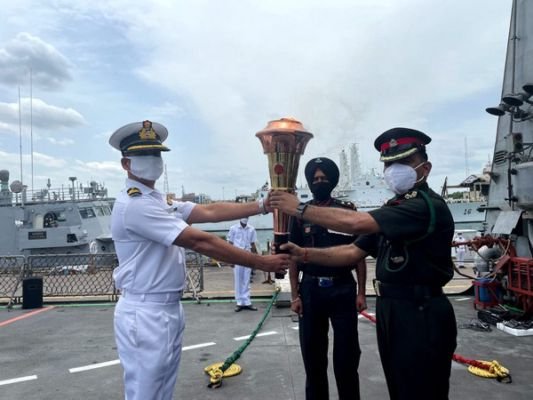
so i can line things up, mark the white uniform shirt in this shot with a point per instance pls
(143, 228)
(242, 237)
(461, 239)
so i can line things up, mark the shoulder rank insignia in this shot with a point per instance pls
(134, 192)
(170, 199)
(411, 195)
(345, 204)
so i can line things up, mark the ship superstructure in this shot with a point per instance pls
(366, 189)
(66, 220)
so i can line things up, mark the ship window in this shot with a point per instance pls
(71, 238)
(50, 220)
(99, 211)
(87, 212)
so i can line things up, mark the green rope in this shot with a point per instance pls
(235, 356)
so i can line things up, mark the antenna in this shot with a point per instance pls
(20, 138)
(31, 127)
(467, 170)
(165, 181)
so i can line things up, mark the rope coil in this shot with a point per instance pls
(484, 369)
(219, 370)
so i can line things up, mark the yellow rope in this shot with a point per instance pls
(216, 374)
(227, 368)
(495, 370)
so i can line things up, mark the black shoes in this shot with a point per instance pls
(250, 307)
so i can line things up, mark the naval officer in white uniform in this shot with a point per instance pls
(243, 236)
(150, 235)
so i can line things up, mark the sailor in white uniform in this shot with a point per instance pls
(460, 250)
(150, 234)
(243, 236)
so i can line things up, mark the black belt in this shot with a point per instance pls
(406, 292)
(328, 281)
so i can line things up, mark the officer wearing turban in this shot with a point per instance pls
(410, 238)
(326, 295)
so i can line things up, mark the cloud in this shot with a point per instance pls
(216, 72)
(61, 142)
(45, 116)
(39, 159)
(50, 69)
(348, 71)
(111, 167)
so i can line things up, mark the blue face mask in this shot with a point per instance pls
(146, 167)
(401, 177)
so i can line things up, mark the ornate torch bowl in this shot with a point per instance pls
(284, 141)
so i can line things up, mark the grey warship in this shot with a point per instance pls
(62, 220)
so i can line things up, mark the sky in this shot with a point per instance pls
(214, 72)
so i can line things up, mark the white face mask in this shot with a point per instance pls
(146, 167)
(400, 177)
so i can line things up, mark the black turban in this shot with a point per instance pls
(327, 166)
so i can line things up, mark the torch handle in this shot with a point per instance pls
(279, 239)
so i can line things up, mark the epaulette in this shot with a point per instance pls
(345, 204)
(134, 192)
(169, 199)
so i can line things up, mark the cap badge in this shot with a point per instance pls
(393, 143)
(318, 161)
(147, 132)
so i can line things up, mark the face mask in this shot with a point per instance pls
(321, 190)
(400, 177)
(146, 167)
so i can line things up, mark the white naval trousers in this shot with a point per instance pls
(460, 256)
(242, 285)
(149, 338)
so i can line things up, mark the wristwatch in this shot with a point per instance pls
(301, 209)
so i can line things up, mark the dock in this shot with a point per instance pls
(67, 350)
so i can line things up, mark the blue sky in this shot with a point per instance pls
(215, 72)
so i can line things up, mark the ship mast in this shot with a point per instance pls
(20, 138)
(166, 188)
(344, 171)
(31, 127)
(355, 164)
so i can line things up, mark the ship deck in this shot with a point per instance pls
(67, 350)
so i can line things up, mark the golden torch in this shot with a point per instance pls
(283, 141)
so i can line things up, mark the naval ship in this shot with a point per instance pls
(70, 220)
